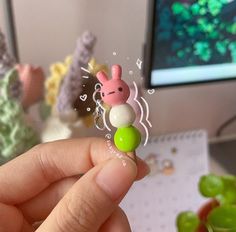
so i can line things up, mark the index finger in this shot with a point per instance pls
(32, 172)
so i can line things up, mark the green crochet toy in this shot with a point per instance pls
(15, 135)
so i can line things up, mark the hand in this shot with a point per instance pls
(45, 184)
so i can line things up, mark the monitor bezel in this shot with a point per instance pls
(149, 55)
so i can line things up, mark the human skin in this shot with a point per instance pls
(45, 184)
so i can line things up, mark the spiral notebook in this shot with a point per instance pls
(177, 162)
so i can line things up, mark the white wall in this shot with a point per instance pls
(3, 20)
(47, 31)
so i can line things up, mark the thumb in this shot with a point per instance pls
(93, 199)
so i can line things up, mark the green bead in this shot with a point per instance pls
(223, 218)
(127, 139)
(211, 185)
(187, 222)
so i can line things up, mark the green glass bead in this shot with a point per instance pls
(211, 185)
(223, 218)
(187, 222)
(127, 139)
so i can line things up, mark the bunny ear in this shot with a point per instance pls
(102, 77)
(116, 72)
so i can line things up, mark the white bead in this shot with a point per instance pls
(122, 115)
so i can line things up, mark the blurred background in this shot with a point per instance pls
(50, 53)
(47, 32)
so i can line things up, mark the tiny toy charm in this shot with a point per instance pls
(115, 93)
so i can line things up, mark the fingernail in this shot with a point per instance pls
(147, 169)
(116, 177)
(144, 166)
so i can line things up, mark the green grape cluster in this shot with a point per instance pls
(221, 218)
(223, 189)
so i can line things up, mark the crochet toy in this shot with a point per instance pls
(32, 79)
(15, 135)
(6, 64)
(53, 83)
(71, 86)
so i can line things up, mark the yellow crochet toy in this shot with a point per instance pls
(94, 67)
(57, 73)
(53, 82)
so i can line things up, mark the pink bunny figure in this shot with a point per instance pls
(115, 92)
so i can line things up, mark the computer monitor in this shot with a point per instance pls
(190, 42)
(183, 100)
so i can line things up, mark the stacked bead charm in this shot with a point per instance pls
(115, 93)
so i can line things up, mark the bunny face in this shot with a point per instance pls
(114, 91)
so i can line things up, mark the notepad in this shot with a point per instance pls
(177, 162)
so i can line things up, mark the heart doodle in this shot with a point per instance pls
(83, 97)
(151, 91)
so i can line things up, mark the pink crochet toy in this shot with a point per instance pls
(115, 92)
(32, 79)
